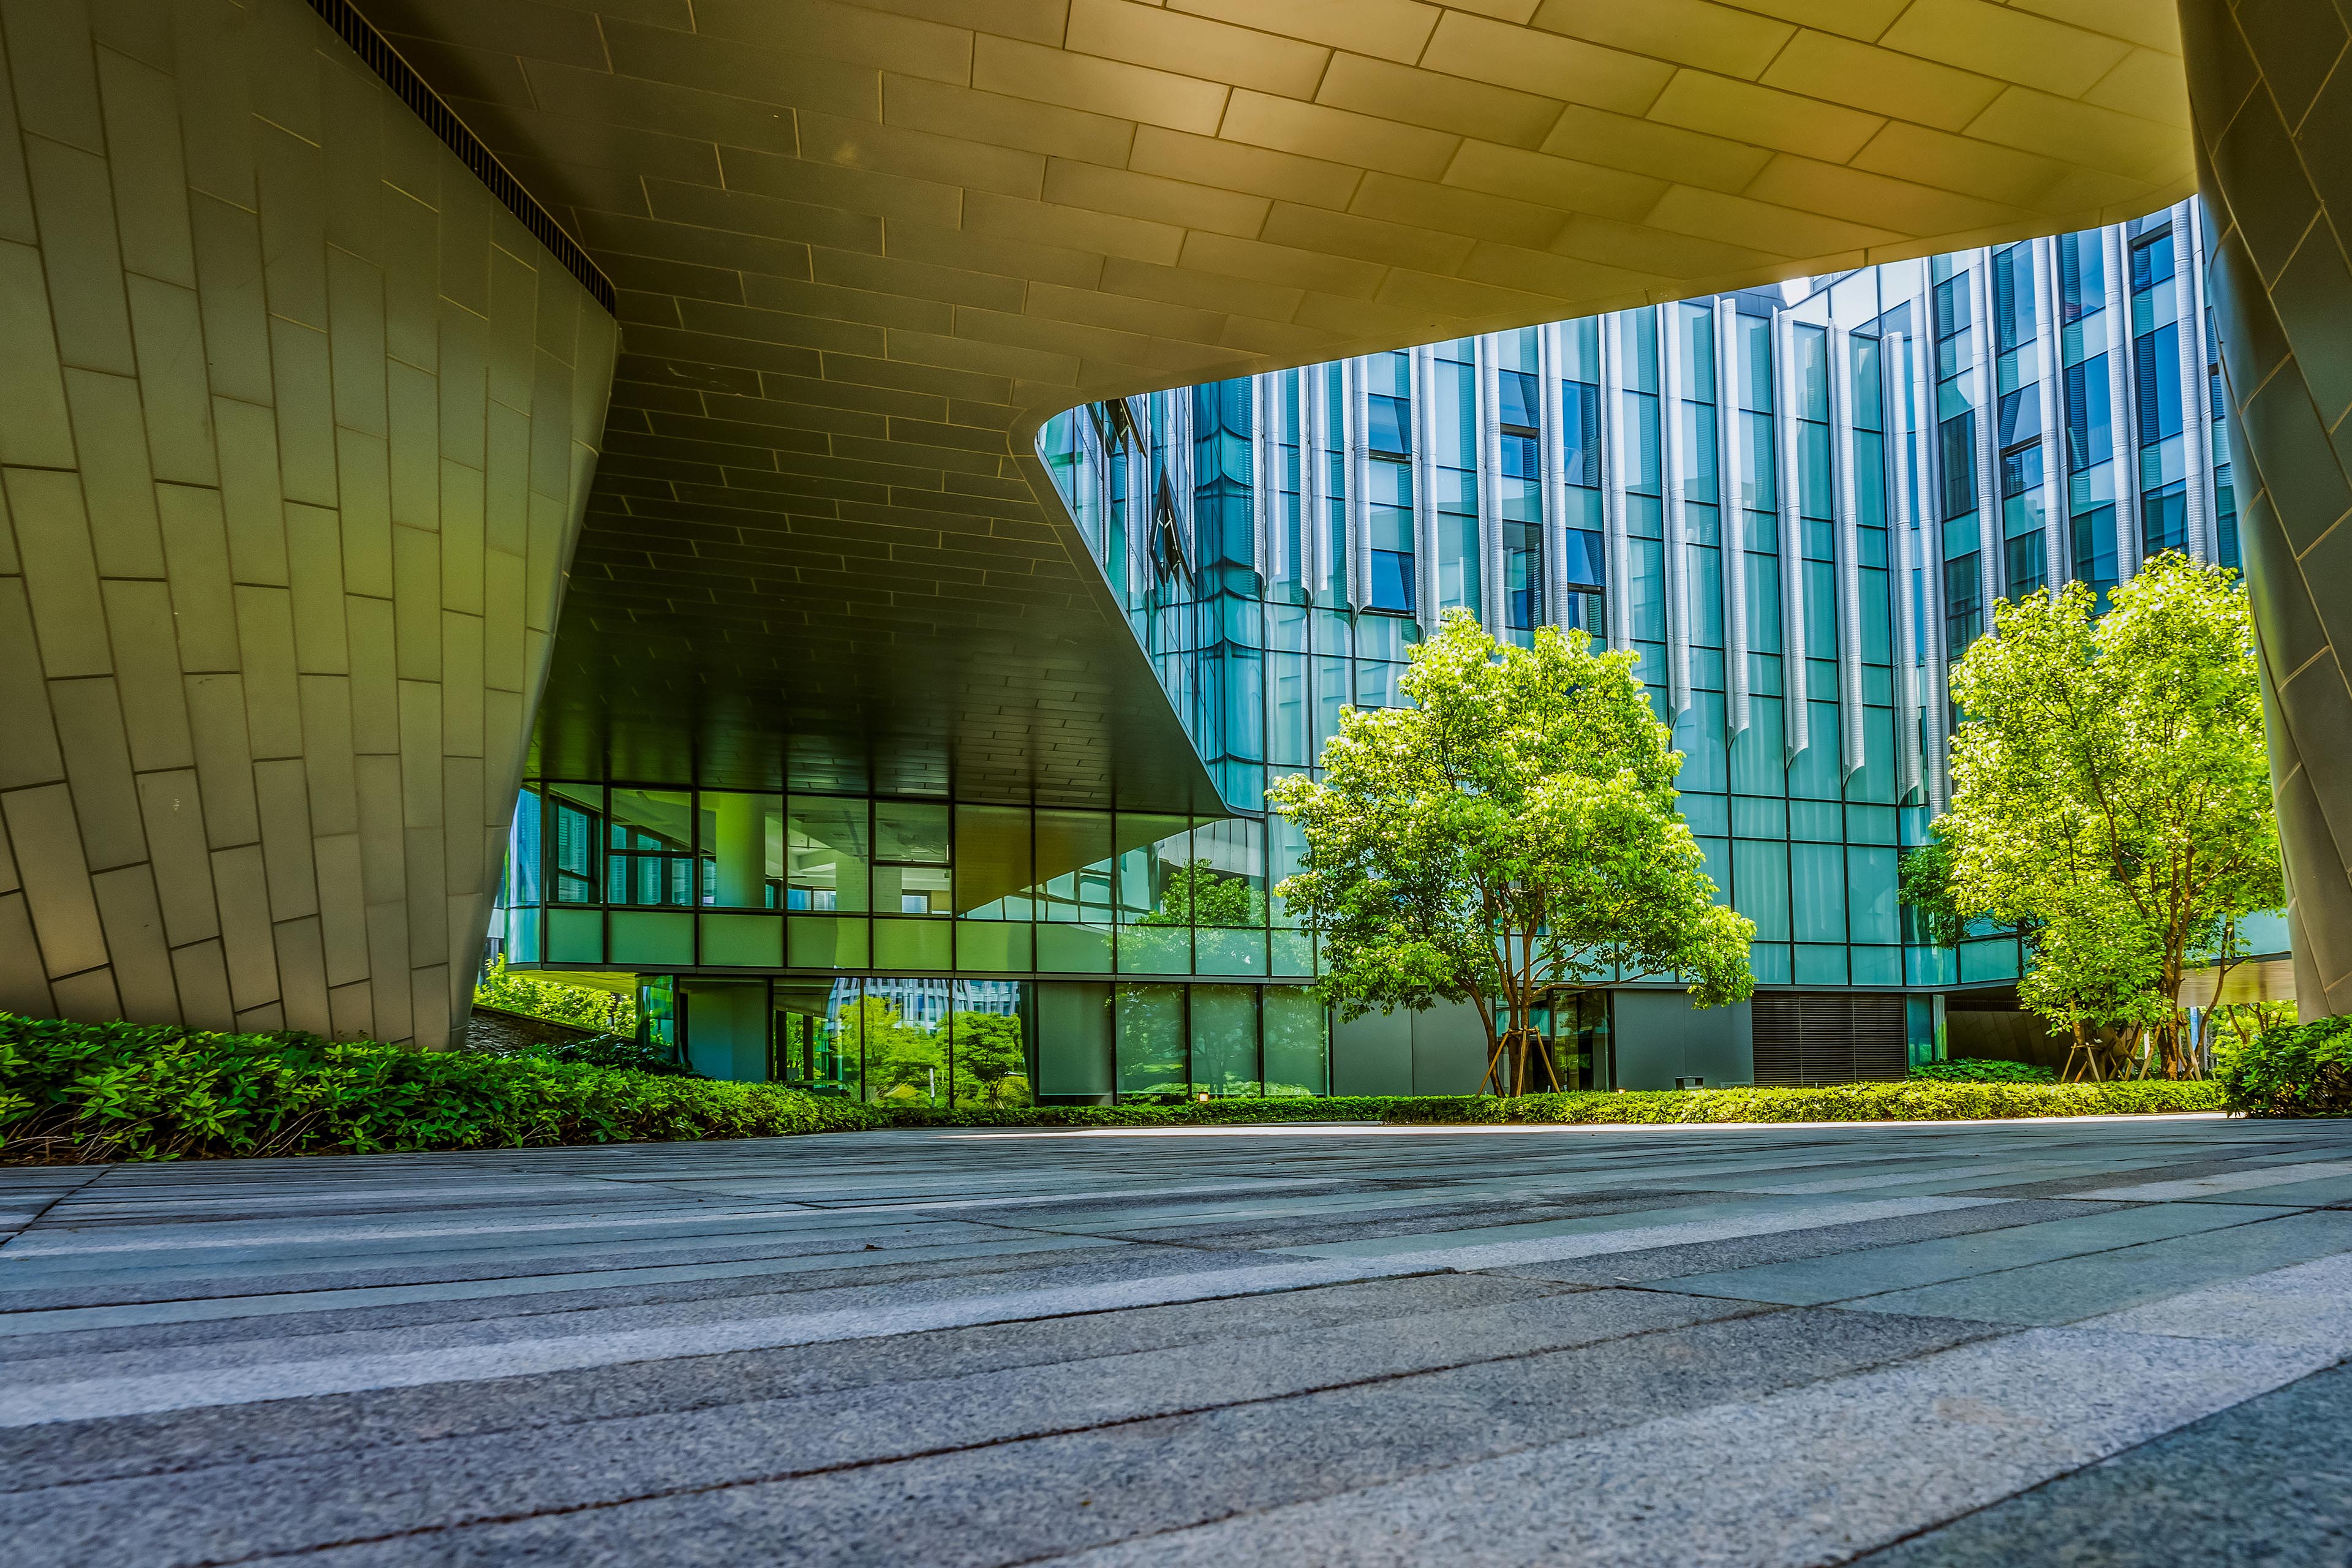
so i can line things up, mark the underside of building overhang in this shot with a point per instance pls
(862, 252)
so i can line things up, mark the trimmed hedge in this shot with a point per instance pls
(1982, 1069)
(1904, 1101)
(2296, 1070)
(87, 1092)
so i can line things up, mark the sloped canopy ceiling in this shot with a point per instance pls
(863, 251)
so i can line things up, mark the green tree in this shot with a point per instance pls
(2110, 794)
(1512, 832)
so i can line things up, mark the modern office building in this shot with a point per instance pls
(673, 410)
(1797, 503)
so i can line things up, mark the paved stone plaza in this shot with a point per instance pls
(2108, 1342)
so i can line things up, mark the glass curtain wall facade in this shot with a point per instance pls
(1796, 504)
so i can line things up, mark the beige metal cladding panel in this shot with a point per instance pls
(296, 423)
(2274, 127)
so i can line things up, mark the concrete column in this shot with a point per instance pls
(2271, 149)
(741, 846)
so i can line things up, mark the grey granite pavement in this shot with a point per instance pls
(2101, 1341)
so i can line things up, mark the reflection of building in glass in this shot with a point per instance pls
(1796, 504)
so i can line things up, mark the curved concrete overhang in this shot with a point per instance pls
(863, 251)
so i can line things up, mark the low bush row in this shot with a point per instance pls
(84, 1092)
(1912, 1101)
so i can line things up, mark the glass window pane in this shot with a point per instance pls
(993, 873)
(743, 849)
(649, 848)
(987, 1045)
(1150, 1043)
(1224, 1040)
(829, 848)
(1298, 1043)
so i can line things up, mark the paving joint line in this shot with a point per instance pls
(1763, 1309)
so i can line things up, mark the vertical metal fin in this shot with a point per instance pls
(1937, 696)
(1489, 394)
(2196, 406)
(2123, 403)
(2050, 343)
(1356, 394)
(1618, 609)
(1424, 500)
(1731, 507)
(1988, 395)
(1843, 504)
(1895, 387)
(1550, 471)
(1786, 403)
(1672, 473)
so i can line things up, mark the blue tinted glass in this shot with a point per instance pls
(1392, 583)
(1579, 405)
(1581, 555)
(1517, 399)
(1389, 421)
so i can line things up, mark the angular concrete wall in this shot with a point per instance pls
(2273, 131)
(296, 425)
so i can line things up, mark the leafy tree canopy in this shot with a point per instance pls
(2110, 791)
(1514, 830)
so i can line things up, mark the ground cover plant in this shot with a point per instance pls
(2296, 1070)
(80, 1093)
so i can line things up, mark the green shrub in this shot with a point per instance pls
(75, 1092)
(80, 1093)
(1982, 1069)
(2296, 1070)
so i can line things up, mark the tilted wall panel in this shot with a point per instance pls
(296, 422)
(2273, 137)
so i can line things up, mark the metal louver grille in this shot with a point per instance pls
(1826, 1037)
(381, 57)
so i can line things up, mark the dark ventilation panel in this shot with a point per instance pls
(1828, 1037)
(382, 58)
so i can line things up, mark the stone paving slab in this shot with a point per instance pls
(1359, 1344)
